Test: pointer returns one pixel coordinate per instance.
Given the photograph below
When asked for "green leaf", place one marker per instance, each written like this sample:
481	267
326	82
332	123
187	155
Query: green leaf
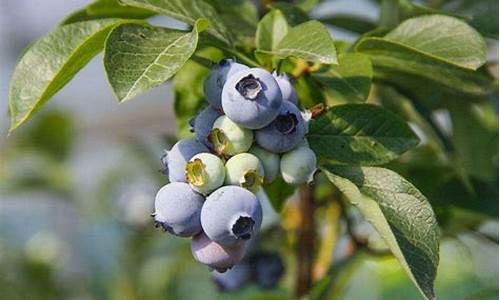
278	192
101	9
443	38
350	80
188	11
51	62
310	41
271	30
435	73
400	214
188	89
240	17
360	134
138	58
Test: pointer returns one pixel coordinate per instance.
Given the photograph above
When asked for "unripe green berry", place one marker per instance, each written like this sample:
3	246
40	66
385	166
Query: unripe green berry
205	172
270	161
245	170
229	138
298	166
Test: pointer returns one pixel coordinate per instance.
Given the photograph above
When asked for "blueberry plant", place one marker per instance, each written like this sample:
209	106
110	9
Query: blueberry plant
268	102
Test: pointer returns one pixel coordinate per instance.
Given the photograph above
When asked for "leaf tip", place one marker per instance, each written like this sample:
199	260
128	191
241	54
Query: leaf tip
201	24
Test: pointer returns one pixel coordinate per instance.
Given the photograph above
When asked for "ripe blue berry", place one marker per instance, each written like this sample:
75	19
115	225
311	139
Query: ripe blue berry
251	98
205	172
217	78
245	170
178	208
233	279
285	132
298	166
228	138
203	124
287	90
270	161
175	160
231	214
215	255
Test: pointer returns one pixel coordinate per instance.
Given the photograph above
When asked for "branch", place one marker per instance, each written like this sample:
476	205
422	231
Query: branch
305	241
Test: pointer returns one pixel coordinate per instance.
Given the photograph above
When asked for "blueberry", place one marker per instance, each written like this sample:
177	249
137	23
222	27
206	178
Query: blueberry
298	166
217	78
233	279
203	124
251	98
267	269
178	208
270	161
245	170
205	172
174	161
285	132
228	138
287	90
215	255
231	214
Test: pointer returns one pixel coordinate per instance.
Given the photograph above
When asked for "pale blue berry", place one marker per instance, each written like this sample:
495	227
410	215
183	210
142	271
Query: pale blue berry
178	208
231	214
216	256
285	132
251	98
217	78
287	90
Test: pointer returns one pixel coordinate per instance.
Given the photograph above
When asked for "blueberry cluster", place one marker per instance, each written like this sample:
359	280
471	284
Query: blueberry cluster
250	133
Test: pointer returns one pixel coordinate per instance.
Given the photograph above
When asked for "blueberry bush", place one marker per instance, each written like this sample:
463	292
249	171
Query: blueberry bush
269	105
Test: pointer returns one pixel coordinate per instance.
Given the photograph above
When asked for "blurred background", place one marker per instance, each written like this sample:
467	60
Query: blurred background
77	185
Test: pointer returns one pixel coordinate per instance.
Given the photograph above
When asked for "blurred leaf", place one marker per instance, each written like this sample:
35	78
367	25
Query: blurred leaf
400	214
188	11
100	9
309	91
278	192
310	41
52	133
271	30
360	134
394	12
483	14
307	5
350	80
475	144
51	62
188	89
240	17
356	24
293	14
158	54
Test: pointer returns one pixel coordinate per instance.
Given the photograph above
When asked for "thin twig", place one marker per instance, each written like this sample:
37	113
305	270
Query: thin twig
305	241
